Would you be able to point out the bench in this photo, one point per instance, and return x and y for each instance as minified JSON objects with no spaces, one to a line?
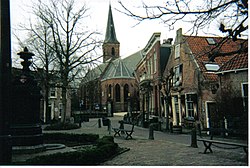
{"x":128,"y":132}
{"x":208,"y":142}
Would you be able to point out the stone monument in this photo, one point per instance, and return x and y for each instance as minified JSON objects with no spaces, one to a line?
{"x":25,"y":127}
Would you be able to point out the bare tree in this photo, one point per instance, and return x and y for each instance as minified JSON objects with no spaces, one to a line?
{"x":44,"y":60}
{"x":70,"y":42}
{"x":231,"y":16}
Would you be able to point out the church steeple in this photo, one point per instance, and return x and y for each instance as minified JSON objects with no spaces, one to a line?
{"x":110,"y":30}
{"x":111,"y":46}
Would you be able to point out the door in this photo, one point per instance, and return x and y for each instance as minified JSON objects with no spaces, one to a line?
{"x":211,"y":115}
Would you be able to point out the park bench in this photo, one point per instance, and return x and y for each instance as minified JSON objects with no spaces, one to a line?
{"x":128,"y":132}
{"x":208,"y":143}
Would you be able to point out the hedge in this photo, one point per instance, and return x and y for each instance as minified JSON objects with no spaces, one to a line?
{"x":103,"y":150}
{"x":70,"y":139}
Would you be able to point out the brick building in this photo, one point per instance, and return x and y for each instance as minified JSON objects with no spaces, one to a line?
{"x":192,"y":79}
{"x":233,"y":92}
{"x":111,"y":84}
{"x":149,"y":73}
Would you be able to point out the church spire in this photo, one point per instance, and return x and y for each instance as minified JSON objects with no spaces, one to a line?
{"x":111,"y":46}
{"x":110,"y":30}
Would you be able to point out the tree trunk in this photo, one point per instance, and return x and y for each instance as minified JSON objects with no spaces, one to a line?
{"x":64,"y":104}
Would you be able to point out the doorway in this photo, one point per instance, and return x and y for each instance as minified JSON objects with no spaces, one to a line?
{"x":211,"y":114}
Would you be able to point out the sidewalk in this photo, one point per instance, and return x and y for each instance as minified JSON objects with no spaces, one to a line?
{"x":165,"y":150}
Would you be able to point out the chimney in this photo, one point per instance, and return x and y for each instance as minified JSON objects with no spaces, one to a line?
{"x":167,"y":42}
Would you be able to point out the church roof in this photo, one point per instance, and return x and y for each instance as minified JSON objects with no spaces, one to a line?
{"x":110,"y":36}
{"x":117,"y":69}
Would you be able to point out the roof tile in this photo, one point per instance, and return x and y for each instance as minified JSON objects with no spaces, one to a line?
{"x":201,"y":50}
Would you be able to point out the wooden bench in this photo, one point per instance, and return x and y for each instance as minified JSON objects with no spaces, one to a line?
{"x":208,"y":142}
{"x":128,"y":132}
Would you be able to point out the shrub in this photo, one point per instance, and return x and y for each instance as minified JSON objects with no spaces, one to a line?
{"x":62,"y":126}
{"x":104,"y":149}
{"x":70,"y":139}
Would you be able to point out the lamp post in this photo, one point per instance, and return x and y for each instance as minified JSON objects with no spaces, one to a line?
{"x":5,"y":83}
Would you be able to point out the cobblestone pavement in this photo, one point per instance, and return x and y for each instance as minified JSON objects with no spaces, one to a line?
{"x":165,"y":150}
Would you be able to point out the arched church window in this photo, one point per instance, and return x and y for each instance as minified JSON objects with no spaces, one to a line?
{"x":109,"y":91}
{"x":117,"y":93}
{"x":113,"y":51}
{"x":126,"y":92}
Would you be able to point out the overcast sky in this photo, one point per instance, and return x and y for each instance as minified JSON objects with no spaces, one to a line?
{"x":132,"y":37}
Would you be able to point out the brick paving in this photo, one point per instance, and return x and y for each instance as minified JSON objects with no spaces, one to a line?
{"x":165,"y":150}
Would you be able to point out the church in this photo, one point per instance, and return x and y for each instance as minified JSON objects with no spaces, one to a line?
{"x":112,"y":84}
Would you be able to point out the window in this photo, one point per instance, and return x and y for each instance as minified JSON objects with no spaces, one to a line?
{"x":60,"y":110}
{"x":126,"y":92}
{"x":152,"y":64}
{"x":212,"y":67}
{"x":149,"y":68}
{"x":177,"y":78}
{"x":52,"y":92}
{"x":190,"y":103}
{"x":109,"y":91}
{"x":211,"y":41}
{"x":245,"y":96}
{"x":177,"y":51}
{"x":113,"y":51}
{"x":177,"y":110}
{"x":117,"y":93}
{"x":155,"y":61}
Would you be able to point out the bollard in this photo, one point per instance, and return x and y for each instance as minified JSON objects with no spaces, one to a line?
{"x":171,"y":127}
{"x":109,"y":126}
{"x":151,"y":131}
{"x":194,"y":138}
{"x":99,"y":123}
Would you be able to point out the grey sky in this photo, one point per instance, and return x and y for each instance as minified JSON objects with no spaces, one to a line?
{"x":131,"y":37}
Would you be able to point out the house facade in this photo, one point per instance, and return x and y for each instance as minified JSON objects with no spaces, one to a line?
{"x":192,"y":80}
{"x":149,"y":74}
{"x":233,"y":92}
